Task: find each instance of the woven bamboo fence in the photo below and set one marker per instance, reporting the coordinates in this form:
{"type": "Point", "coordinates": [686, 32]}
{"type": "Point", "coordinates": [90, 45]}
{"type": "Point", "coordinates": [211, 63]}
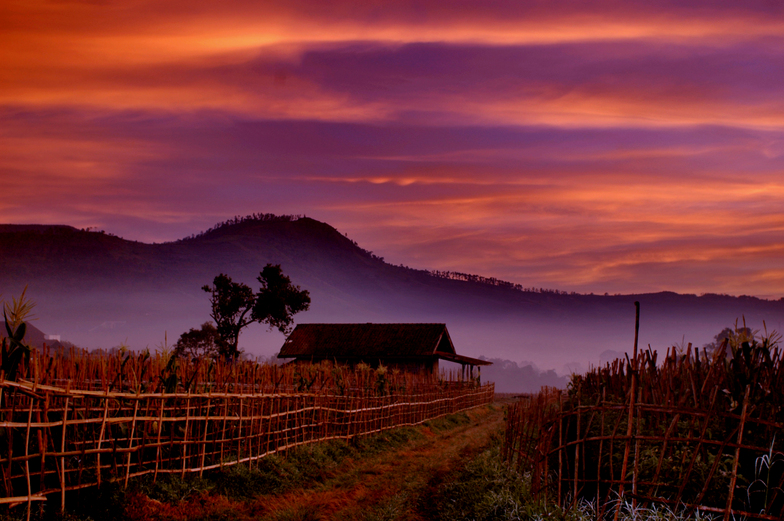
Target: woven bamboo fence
{"type": "Point", "coordinates": [80, 420]}
{"type": "Point", "coordinates": [697, 431]}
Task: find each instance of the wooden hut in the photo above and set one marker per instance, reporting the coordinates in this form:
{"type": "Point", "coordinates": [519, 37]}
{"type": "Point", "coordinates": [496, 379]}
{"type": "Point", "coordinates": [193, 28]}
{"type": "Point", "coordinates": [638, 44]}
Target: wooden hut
{"type": "Point", "coordinates": [409, 347]}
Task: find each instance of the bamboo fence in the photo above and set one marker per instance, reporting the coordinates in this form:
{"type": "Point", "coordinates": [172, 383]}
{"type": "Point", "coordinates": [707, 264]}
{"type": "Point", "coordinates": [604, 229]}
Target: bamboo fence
{"type": "Point", "coordinates": [694, 433]}
{"type": "Point", "coordinates": [79, 420]}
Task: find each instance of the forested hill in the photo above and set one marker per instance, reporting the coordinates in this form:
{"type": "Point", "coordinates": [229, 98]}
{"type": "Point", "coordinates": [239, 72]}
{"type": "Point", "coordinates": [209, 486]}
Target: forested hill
{"type": "Point", "coordinates": [98, 290]}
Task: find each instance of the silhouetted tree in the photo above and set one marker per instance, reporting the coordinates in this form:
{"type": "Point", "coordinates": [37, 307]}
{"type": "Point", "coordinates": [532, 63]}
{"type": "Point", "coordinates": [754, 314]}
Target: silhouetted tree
{"type": "Point", "coordinates": [232, 303]}
{"type": "Point", "coordinates": [199, 343]}
{"type": "Point", "coordinates": [735, 336]}
{"type": "Point", "coordinates": [278, 299]}
{"type": "Point", "coordinates": [235, 306]}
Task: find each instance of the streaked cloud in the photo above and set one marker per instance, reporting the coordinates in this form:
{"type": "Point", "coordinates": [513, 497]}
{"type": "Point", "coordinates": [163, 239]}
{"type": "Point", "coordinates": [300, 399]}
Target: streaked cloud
{"type": "Point", "coordinates": [597, 146]}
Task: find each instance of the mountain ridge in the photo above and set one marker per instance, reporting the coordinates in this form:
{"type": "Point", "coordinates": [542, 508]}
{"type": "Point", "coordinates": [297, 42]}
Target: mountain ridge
{"type": "Point", "coordinates": [230, 229]}
{"type": "Point", "coordinates": [98, 290]}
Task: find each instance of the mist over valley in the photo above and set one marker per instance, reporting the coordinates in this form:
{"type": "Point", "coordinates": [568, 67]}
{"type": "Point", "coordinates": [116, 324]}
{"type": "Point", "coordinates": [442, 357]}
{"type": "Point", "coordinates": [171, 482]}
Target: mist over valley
{"type": "Point", "coordinates": [98, 291]}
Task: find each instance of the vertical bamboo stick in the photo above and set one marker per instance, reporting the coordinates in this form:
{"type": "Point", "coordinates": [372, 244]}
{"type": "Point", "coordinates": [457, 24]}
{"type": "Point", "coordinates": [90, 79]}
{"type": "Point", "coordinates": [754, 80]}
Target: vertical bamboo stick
{"type": "Point", "coordinates": [636, 452]}
{"type": "Point", "coordinates": [185, 435]}
{"type": "Point", "coordinates": [560, 449]}
{"type": "Point", "coordinates": [728, 510]}
{"type": "Point", "coordinates": [158, 443]}
{"type": "Point", "coordinates": [630, 425]}
{"type": "Point", "coordinates": [578, 439]}
{"type": "Point", "coordinates": [276, 407]}
{"type": "Point", "coordinates": [62, 455]}
{"type": "Point", "coordinates": [27, 458]}
{"type": "Point", "coordinates": [543, 448]}
{"type": "Point", "coordinates": [81, 438]}
{"type": "Point", "coordinates": [223, 428]}
{"type": "Point", "coordinates": [100, 437]}
{"type": "Point", "coordinates": [130, 442]}
{"type": "Point", "coordinates": [601, 449]}
{"type": "Point", "coordinates": [204, 437]}
{"type": "Point", "coordinates": [251, 436]}
{"type": "Point", "coordinates": [239, 433]}
{"type": "Point", "coordinates": [42, 440]}
{"type": "Point", "coordinates": [6, 475]}
{"type": "Point", "coordinates": [266, 423]}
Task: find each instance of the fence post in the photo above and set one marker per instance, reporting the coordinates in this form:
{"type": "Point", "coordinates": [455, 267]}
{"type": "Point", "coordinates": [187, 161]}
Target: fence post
{"type": "Point", "coordinates": [630, 424]}
{"type": "Point", "coordinates": [158, 443]}
{"type": "Point", "coordinates": [577, 439]}
{"type": "Point", "coordinates": [184, 444]}
{"type": "Point", "coordinates": [239, 432]}
{"type": "Point", "coordinates": [204, 437]}
{"type": "Point", "coordinates": [731, 495]}
{"type": "Point", "coordinates": [601, 447]}
{"type": "Point", "coordinates": [636, 433]}
{"type": "Point", "coordinates": [27, 458]}
{"type": "Point", "coordinates": [100, 437]}
{"type": "Point", "coordinates": [130, 442]}
{"type": "Point", "coordinates": [62, 457]}
{"type": "Point", "coordinates": [560, 448]}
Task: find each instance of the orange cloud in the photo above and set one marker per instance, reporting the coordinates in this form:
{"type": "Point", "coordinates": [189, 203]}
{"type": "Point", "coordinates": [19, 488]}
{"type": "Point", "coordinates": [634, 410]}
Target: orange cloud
{"type": "Point", "coordinates": [603, 147]}
{"type": "Point", "coordinates": [137, 56]}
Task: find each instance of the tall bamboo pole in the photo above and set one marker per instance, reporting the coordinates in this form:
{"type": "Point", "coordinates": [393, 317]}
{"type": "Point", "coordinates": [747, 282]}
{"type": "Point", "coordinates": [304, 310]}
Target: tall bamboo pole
{"type": "Point", "coordinates": [632, 396]}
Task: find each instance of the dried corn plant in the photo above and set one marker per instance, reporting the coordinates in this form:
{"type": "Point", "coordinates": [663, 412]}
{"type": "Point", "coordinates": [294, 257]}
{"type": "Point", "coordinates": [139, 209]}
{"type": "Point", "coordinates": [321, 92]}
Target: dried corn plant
{"type": "Point", "coordinates": [694, 431]}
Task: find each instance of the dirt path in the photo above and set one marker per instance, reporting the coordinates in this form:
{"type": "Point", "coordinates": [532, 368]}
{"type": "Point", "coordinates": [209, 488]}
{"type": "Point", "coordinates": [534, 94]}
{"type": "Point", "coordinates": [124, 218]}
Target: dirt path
{"type": "Point", "coordinates": [394, 485]}
{"type": "Point", "coordinates": [398, 484]}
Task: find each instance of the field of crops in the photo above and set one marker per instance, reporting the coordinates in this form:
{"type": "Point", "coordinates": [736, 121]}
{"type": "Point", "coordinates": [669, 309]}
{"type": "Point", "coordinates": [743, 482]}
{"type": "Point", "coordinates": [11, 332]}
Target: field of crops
{"type": "Point", "coordinates": [696, 431]}
{"type": "Point", "coordinates": [75, 421]}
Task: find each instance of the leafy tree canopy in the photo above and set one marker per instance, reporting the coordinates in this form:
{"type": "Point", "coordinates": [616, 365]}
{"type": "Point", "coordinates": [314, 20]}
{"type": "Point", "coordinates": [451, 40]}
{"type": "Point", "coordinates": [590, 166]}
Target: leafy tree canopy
{"type": "Point", "coordinates": [199, 343]}
{"type": "Point", "coordinates": [278, 299]}
{"type": "Point", "coordinates": [235, 306]}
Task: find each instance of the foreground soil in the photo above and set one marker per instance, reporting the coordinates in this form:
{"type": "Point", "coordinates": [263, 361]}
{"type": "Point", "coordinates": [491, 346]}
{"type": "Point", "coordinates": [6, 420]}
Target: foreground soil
{"type": "Point", "coordinates": [399, 484]}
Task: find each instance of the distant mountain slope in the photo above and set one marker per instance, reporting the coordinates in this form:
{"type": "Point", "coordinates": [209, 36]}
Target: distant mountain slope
{"type": "Point", "coordinates": [34, 337]}
{"type": "Point", "coordinates": [98, 290]}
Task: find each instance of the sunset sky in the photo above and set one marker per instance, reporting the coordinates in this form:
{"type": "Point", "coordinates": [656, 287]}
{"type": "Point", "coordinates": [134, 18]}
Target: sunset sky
{"type": "Point", "coordinates": [617, 146]}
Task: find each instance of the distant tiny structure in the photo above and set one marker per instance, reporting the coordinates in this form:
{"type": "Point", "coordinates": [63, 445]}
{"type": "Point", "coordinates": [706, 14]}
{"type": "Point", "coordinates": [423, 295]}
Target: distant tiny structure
{"type": "Point", "coordinates": [415, 348]}
{"type": "Point", "coordinates": [55, 338]}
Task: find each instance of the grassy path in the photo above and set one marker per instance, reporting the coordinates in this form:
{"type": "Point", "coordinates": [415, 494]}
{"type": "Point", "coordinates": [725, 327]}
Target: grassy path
{"type": "Point", "coordinates": [392, 484]}
{"type": "Point", "coordinates": [398, 484]}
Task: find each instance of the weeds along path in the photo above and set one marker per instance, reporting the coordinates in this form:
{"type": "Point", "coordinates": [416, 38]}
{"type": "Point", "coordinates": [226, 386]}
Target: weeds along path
{"type": "Point", "coordinates": [399, 484]}
{"type": "Point", "coordinates": [390, 484]}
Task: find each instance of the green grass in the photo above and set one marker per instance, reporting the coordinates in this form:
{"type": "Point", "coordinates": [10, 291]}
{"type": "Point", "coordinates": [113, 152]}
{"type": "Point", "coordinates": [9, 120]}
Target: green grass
{"type": "Point", "coordinates": [445, 423]}
{"type": "Point", "coordinates": [487, 490]}
{"type": "Point", "coordinates": [277, 473]}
